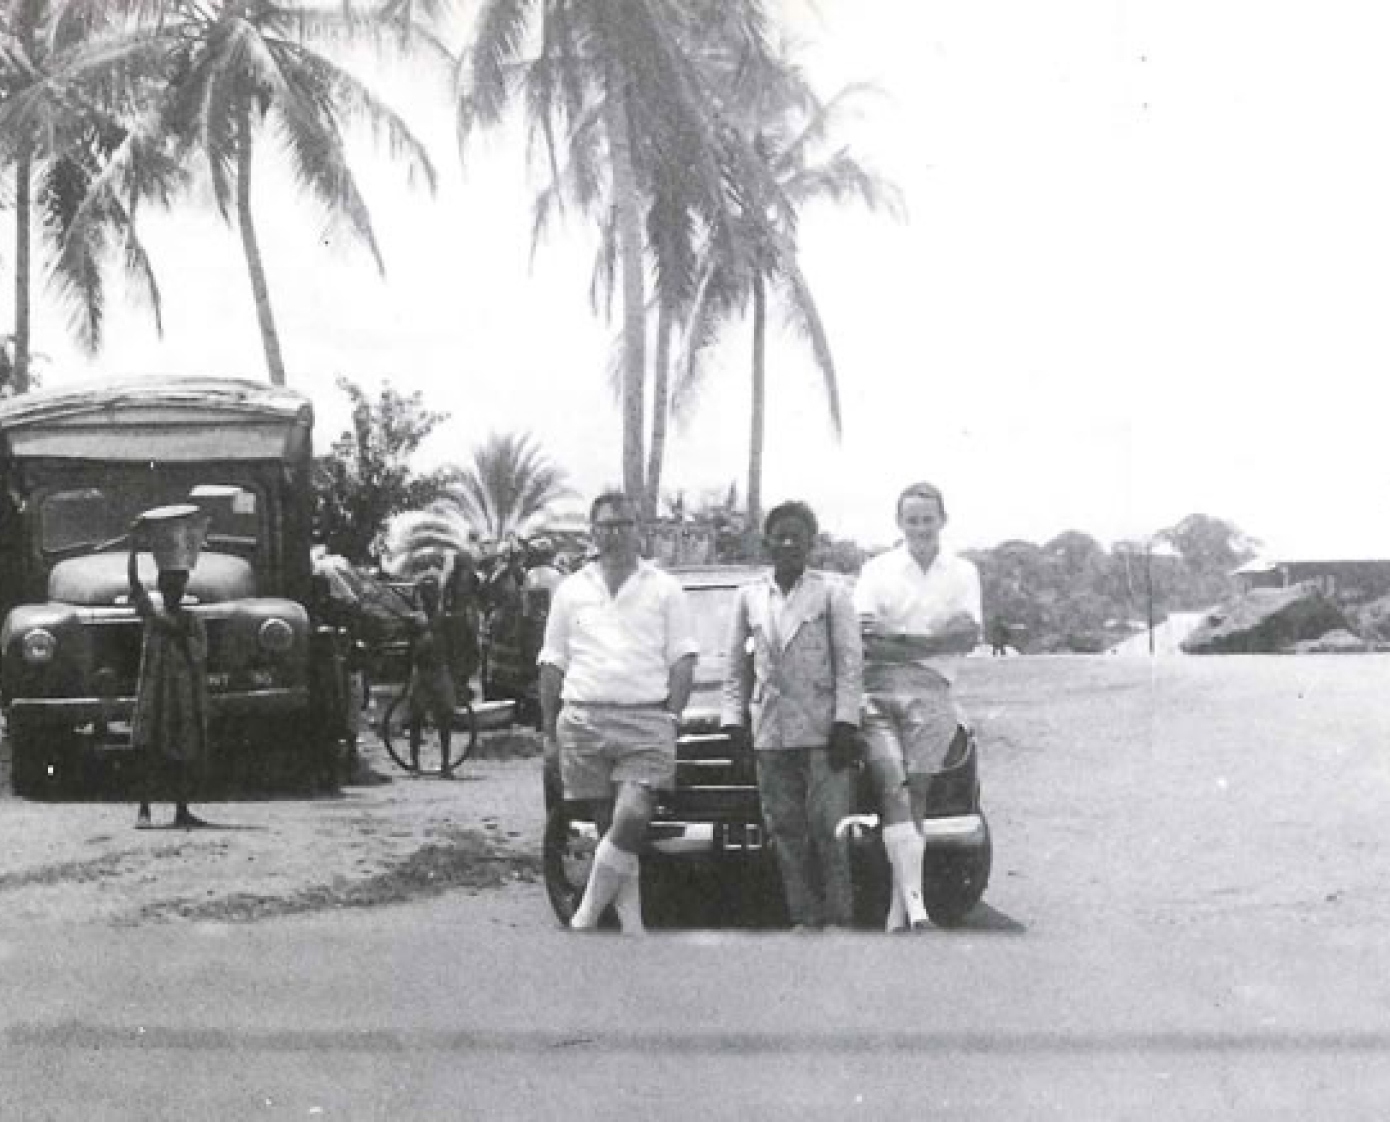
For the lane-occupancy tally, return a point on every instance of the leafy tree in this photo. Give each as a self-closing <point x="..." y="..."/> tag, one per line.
<point x="234" y="71"/>
<point x="751" y="260"/>
<point x="509" y="485"/>
<point x="366" y="477"/>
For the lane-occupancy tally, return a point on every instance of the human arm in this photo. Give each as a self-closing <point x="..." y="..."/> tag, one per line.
<point x="139" y="598"/>
<point x="738" y="674"/>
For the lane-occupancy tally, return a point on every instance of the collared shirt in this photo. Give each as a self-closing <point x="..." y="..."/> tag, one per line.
<point x="783" y="606"/>
<point x="906" y="599"/>
<point x="618" y="649"/>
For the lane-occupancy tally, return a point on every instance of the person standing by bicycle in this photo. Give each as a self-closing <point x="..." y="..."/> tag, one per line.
<point x="430" y="692"/>
<point x="615" y="673"/>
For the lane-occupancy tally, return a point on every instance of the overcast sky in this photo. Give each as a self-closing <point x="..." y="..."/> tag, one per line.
<point x="1145" y="272"/>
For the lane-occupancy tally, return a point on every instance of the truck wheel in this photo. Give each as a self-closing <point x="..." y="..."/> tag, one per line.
<point x="954" y="880"/>
<point x="34" y="758"/>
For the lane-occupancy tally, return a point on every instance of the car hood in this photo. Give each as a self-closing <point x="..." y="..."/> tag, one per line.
<point x="99" y="580"/>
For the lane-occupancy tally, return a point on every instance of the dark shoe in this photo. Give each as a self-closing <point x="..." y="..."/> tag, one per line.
<point x="142" y="818"/>
<point x="447" y="773"/>
<point x="185" y="819"/>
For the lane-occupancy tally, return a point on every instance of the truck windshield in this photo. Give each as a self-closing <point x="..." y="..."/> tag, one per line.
<point x="85" y="519"/>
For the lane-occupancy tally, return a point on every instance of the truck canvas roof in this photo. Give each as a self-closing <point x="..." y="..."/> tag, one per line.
<point x="158" y="418"/>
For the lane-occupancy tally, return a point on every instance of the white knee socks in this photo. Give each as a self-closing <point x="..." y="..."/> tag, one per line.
<point x="905" y="849"/>
<point x="612" y="878"/>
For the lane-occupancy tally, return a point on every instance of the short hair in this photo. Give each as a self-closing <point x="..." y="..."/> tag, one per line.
<point x="921" y="491"/>
<point x="793" y="508"/>
<point x="611" y="498"/>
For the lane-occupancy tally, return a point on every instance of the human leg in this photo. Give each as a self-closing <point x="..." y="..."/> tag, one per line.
<point x="901" y="838"/>
<point x="614" y="876"/>
<point x="783" y="783"/>
<point x="830" y="798"/>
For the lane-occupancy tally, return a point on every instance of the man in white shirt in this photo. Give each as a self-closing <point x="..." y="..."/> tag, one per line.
<point x="615" y="673"/>
<point x="916" y="602"/>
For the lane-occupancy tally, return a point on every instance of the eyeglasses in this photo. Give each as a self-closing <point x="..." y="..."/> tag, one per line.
<point x="615" y="525"/>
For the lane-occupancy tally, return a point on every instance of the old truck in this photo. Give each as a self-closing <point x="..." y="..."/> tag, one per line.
<point x="77" y="464"/>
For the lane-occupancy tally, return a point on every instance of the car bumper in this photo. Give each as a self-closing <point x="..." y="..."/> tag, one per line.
<point x="72" y="711"/>
<point x="733" y="839"/>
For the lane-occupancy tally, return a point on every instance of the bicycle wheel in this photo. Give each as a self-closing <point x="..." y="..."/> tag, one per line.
<point x="429" y="758"/>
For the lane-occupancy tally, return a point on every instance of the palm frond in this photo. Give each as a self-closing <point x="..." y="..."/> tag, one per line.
<point x="803" y="316"/>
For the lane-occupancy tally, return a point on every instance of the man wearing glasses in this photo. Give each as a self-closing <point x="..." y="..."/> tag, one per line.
<point x="615" y="674"/>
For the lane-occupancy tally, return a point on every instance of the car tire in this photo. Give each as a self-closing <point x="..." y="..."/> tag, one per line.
<point x="565" y="867"/>
<point x="954" y="880"/>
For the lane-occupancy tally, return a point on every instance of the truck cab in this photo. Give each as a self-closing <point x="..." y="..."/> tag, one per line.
<point x="77" y="464"/>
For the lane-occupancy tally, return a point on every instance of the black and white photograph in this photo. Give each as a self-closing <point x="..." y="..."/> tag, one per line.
<point x="671" y="559"/>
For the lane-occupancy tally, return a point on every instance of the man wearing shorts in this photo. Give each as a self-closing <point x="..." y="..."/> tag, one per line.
<point x="916" y="603"/>
<point x="615" y="674"/>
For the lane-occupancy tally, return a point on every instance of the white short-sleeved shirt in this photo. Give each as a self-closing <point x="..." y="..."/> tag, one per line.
<point x="618" y="650"/>
<point x="906" y="599"/>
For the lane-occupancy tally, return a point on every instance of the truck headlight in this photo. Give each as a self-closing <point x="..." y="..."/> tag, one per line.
<point x="275" y="636"/>
<point x="39" y="646"/>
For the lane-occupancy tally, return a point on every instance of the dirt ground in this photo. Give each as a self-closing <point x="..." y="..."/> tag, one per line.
<point x="1170" y="792"/>
<point x="385" y="839"/>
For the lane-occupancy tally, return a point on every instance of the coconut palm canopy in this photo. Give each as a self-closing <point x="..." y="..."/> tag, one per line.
<point x="206" y="82"/>
<point x="509" y="486"/>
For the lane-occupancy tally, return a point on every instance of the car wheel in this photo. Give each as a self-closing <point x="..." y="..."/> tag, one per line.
<point x="565" y="861"/>
<point x="953" y="880"/>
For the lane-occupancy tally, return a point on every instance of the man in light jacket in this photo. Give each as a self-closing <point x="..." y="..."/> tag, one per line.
<point x="795" y="675"/>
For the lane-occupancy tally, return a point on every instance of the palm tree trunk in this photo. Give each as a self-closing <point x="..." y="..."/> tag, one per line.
<point x="660" y="408"/>
<point x="265" y="315"/>
<point x="627" y="205"/>
<point x="755" y="437"/>
<point x="23" y="231"/>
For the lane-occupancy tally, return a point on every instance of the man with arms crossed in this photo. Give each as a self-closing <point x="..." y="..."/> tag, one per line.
<point x="615" y="674"/>
<point x="916" y="603"/>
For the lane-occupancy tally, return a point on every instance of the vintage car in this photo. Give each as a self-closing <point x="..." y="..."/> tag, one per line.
<point x="77" y="464"/>
<point x="707" y="846"/>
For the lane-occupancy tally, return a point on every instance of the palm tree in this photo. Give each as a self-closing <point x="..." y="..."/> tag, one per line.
<point x="57" y="137"/>
<point x="613" y="96"/>
<point x="508" y="486"/>
<point x="419" y="540"/>
<point x="236" y="69"/>
<point x="753" y="260"/>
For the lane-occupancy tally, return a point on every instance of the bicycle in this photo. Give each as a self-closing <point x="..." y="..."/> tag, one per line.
<point x="429" y="758"/>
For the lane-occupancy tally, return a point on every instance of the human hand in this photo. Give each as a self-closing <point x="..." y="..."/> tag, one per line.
<point x="846" y="747"/>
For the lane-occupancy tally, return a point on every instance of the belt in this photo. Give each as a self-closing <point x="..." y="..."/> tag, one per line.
<point x="619" y="704"/>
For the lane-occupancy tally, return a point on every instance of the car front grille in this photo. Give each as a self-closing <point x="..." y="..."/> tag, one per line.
<point x="713" y="783"/>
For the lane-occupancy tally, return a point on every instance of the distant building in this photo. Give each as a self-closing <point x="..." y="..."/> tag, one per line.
<point x="1342" y="578"/>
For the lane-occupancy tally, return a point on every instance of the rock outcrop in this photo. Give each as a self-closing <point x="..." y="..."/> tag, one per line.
<point x="1266" y="620"/>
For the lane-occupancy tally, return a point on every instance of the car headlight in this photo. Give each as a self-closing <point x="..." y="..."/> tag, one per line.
<point x="275" y="636"/>
<point x="39" y="646"/>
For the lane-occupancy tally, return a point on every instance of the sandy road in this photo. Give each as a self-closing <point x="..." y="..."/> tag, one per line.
<point x="1186" y="920"/>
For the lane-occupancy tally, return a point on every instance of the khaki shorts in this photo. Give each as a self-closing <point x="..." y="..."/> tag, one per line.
<point x="909" y="717"/>
<point x="604" y="745"/>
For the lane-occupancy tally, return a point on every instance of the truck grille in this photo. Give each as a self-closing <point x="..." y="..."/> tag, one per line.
<point x="116" y="654"/>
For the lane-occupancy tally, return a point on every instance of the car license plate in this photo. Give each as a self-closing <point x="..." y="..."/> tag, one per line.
<point x="740" y="837"/>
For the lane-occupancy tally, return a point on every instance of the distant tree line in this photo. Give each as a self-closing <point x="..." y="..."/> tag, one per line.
<point x="1073" y="594"/>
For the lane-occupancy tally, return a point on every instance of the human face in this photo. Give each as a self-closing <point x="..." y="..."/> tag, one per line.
<point x="614" y="531"/>
<point x="788" y="542"/>
<point x="920" y="519"/>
